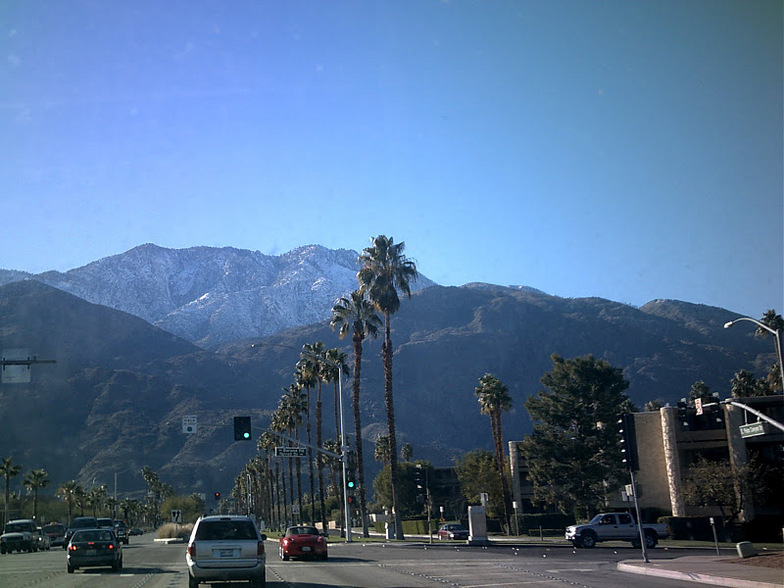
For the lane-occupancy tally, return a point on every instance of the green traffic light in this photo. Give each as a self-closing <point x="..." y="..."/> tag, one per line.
<point x="351" y="483"/>
<point x="246" y="435"/>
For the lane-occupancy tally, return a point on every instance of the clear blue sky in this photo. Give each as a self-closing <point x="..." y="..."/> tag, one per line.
<point x="628" y="150"/>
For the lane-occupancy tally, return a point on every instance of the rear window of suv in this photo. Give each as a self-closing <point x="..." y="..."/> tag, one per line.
<point x="225" y="531"/>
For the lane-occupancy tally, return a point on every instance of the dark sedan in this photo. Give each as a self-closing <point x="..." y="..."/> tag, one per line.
<point x="302" y="541"/>
<point x="94" y="548"/>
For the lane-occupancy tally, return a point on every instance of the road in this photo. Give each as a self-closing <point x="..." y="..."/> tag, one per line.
<point x="155" y="565"/>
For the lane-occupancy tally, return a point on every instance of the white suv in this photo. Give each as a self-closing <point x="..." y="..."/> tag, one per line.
<point x="226" y="548"/>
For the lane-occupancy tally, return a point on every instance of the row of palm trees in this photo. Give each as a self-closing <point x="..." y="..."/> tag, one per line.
<point x="385" y="273"/>
<point x="33" y="481"/>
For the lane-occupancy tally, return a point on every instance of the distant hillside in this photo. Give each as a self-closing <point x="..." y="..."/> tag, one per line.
<point x="121" y="386"/>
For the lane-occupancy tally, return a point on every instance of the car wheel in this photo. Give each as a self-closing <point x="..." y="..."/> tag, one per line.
<point x="589" y="540"/>
<point x="192" y="582"/>
<point x="651" y="540"/>
<point x="71" y="569"/>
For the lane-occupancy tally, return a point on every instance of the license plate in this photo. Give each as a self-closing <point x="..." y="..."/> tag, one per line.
<point x="306" y="548"/>
<point x="226" y="553"/>
<point x="90" y="552"/>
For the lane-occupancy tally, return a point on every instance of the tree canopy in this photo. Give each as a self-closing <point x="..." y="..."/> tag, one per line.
<point x="573" y="455"/>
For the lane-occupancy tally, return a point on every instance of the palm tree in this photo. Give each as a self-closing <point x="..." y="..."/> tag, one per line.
<point x="305" y="376"/>
<point x="295" y="401"/>
<point x="95" y="498"/>
<point x="385" y="270"/>
<point x="356" y="315"/>
<point x="775" y="322"/>
<point x="334" y="358"/>
<point x="407" y="452"/>
<point x="8" y="470"/>
<point x="494" y="400"/>
<point x="34" y="481"/>
<point x="68" y="492"/>
<point x="382" y="450"/>
<point x="315" y="351"/>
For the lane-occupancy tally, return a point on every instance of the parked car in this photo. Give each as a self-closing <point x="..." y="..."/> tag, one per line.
<point x="452" y="531"/>
<point x="615" y="526"/>
<point x="44" y="543"/>
<point x="136" y="531"/>
<point x="302" y="541"/>
<point x="226" y="548"/>
<point x="76" y="524"/>
<point x="56" y="532"/>
<point x="121" y="531"/>
<point x="94" y="548"/>
<point x="19" y="535"/>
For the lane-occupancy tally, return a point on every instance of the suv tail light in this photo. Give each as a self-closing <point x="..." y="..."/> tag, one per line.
<point x="260" y="548"/>
<point x="192" y="549"/>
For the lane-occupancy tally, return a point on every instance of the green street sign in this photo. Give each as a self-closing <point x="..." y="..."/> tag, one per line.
<point x="752" y="430"/>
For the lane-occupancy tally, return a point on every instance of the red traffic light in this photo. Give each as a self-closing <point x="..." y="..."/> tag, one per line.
<point x="217" y="496"/>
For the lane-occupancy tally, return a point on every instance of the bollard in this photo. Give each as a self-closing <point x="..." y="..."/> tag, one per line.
<point x="745" y="549"/>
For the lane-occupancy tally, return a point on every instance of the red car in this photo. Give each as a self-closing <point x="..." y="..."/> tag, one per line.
<point x="302" y="541"/>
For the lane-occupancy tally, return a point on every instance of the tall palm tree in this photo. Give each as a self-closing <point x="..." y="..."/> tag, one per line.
<point x="277" y="424"/>
<point x="8" y="470"/>
<point x="407" y="452"/>
<point x="494" y="400"/>
<point x="266" y="444"/>
<point x="316" y="353"/>
<point x="34" y="481"/>
<point x="775" y="322"/>
<point x="357" y="316"/>
<point x="95" y="498"/>
<point x="305" y="376"/>
<point x="384" y="271"/>
<point x="334" y="358"/>
<point x="68" y="492"/>
<point x="295" y="401"/>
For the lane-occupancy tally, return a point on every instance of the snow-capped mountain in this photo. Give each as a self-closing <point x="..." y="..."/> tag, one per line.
<point x="210" y="296"/>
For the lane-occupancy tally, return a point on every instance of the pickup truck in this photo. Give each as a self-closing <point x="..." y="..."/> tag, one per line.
<point x="614" y="526"/>
<point x="19" y="535"/>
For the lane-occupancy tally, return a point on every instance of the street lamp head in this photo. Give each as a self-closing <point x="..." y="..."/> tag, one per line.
<point x="728" y="324"/>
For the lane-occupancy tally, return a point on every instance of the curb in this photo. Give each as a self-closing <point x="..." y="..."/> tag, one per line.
<point x="703" y="578"/>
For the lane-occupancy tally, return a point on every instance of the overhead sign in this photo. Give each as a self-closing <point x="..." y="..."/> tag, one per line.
<point x="189" y="424"/>
<point x="752" y="430"/>
<point x="290" y="452"/>
<point x="15" y="374"/>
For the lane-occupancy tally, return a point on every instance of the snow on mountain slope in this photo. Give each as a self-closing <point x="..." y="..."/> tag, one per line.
<point x="210" y="296"/>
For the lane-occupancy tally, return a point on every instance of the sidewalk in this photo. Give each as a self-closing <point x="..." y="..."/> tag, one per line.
<point x="713" y="570"/>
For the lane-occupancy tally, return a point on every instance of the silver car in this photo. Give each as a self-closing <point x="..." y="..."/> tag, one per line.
<point x="226" y="548"/>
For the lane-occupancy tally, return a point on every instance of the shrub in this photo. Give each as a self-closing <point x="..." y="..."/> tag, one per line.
<point x="175" y="531"/>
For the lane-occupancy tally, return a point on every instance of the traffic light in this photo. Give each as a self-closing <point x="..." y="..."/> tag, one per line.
<point x="419" y="479"/>
<point x="242" y="428"/>
<point x="217" y="496"/>
<point x="351" y="500"/>
<point x="629" y="442"/>
<point x="351" y="485"/>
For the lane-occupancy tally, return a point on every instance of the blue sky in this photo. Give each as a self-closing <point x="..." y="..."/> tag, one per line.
<point x="628" y="150"/>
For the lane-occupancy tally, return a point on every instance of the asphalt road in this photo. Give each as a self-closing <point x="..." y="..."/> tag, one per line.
<point x="154" y="565"/>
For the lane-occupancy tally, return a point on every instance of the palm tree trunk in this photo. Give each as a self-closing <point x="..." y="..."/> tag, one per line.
<point x="319" y="460"/>
<point x="310" y="465"/>
<point x="358" y="434"/>
<point x="386" y="353"/>
<point x="498" y="441"/>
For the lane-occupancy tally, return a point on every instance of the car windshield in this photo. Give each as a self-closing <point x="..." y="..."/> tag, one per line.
<point x="18" y="527"/>
<point x="91" y="535"/>
<point x="84" y="523"/>
<point x="225" y="530"/>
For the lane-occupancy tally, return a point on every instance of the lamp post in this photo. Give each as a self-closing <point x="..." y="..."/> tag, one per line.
<point x="774" y="332"/>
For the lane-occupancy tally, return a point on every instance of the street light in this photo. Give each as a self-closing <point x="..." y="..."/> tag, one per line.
<point x="774" y="332"/>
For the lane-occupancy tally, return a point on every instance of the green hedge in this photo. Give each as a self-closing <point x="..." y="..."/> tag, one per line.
<point x="529" y="523"/>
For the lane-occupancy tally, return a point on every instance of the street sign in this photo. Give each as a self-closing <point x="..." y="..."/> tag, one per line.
<point x="189" y="424"/>
<point x="291" y="452"/>
<point x="15" y="374"/>
<point x="752" y="429"/>
<point x="176" y="516"/>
